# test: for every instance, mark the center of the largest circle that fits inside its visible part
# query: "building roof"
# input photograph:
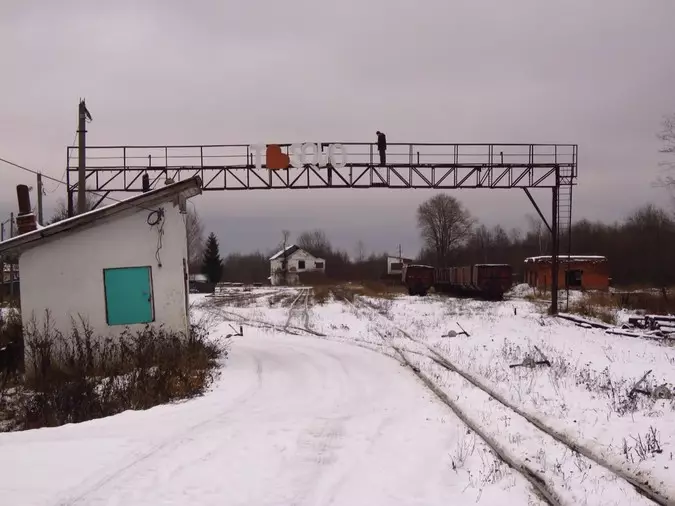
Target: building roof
(402, 259)
(567, 258)
(289, 251)
(146, 201)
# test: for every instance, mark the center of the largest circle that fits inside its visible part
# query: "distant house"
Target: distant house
(119, 267)
(199, 283)
(395, 265)
(298, 261)
(9, 271)
(581, 272)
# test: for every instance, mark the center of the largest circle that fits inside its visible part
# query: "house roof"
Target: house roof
(289, 251)
(146, 201)
(567, 258)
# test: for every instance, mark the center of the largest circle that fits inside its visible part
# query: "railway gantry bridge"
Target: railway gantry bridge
(111, 169)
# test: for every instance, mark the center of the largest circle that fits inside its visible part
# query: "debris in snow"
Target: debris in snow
(235, 334)
(635, 388)
(662, 392)
(454, 333)
(530, 362)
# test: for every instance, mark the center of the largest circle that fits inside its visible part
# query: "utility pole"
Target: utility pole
(11, 260)
(2, 264)
(83, 115)
(39, 198)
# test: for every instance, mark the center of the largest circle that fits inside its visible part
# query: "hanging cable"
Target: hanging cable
(158, 214)
(156, 219)
(45, 176)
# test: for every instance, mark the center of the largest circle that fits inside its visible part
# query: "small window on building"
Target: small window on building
(574, 278)
(318, 265)
(301, 264)
(128, 295)
(396, 266)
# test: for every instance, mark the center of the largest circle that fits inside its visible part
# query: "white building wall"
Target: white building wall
(65, 274)
(294, 268)
(395, 260)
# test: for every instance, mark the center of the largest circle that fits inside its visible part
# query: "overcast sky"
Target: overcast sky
(597, 73)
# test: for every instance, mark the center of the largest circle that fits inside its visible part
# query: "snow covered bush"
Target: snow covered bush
(81, 376)
(11, 344)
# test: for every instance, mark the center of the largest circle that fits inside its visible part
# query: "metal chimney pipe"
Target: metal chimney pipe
(25, 220)
(23, 195)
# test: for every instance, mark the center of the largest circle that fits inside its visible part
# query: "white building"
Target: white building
(298, 261)
(395, 265)
(120, 267)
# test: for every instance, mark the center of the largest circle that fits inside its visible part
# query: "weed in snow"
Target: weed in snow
(465, 449)
(643, 448)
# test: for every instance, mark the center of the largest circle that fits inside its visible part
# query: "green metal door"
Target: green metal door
(128, 295)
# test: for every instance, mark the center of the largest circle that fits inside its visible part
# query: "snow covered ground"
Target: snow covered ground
(292, 420)
(302, 416)
(583, 396)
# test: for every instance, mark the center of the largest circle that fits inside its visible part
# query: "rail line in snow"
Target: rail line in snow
(303, 293)
(537, 427)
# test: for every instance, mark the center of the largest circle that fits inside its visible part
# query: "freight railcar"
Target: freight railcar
(418, 278)
(488, 281)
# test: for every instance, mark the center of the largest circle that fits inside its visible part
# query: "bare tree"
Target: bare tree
(539, 233)
(483, 239)
(315, 242)
(61, 211)
(444, 225)
(284, 257)
(195, 238)
(667, 135)
(360, 251)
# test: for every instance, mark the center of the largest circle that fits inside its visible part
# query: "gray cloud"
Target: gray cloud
(600, 74)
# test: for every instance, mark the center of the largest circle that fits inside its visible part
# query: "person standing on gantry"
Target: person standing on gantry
(382, 147)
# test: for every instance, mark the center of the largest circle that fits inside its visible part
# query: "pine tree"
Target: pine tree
(212, 265)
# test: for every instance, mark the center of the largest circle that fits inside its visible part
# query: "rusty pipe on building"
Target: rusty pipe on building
(25, 220)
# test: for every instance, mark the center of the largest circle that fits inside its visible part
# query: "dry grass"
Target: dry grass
(652, 301)
(321, 294)
(348, 291)
(596, 305)
(81, 376)
(373, 289)
(604, 305)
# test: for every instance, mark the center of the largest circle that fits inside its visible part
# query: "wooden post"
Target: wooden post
(83, 115)
(2, 264)
(11, 260)
(39, 199)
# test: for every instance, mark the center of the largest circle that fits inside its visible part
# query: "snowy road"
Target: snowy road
(291, 421)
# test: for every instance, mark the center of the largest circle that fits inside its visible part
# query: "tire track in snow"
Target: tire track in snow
(301, 292)
(537, 482)
(640, 484)
(169, 444)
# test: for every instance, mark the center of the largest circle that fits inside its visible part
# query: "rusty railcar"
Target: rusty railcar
(487, 281)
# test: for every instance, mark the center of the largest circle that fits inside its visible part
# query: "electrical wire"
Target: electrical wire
(159, 223)
(65, 169)
(45, 176)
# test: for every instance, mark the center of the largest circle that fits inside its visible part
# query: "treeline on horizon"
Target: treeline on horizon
(640, 250)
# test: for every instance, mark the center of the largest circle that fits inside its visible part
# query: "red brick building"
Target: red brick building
(581, 272)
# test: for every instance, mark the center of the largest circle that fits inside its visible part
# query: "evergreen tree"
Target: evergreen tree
(212, 265)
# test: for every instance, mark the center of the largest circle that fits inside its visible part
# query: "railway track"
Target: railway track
(303, 294)
(552, 488)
